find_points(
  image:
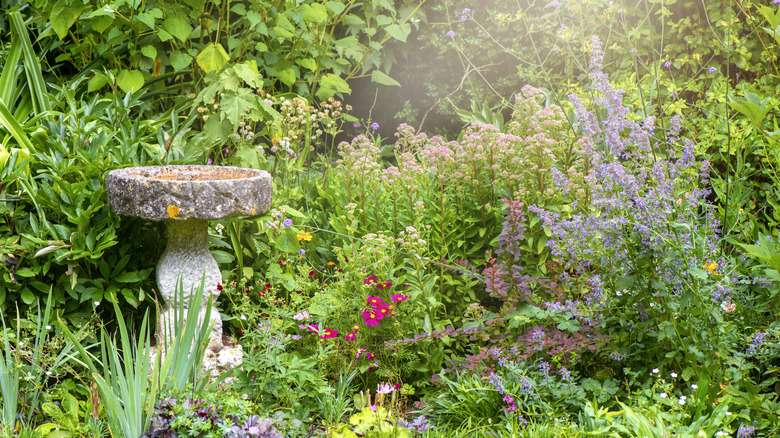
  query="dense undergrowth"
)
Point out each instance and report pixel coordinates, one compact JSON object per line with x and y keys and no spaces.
{"x":587,"y":247}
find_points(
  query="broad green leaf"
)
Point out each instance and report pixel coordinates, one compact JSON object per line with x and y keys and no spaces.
{"x":100,"y":24}
{"x":149,"y":18}
{"x":234,"y":106}
{"x":314,"y":13}
{"x":383,"y":20}
{"x":399,"y":31}
{"x":128,"y":277}
{"x":287,"y":77}
{"x":63,"y":15}
{"x":178,"y":27}
{"x":308,"y":63}
{"x":149,"y":51}
{"x":249,"y":73}
{"x":130,"y":80}
{"x":213,"y":57}
{"x":179,"y":60}
{"x":331,"y":84}
{"x":335,"y":7}
{"x":624,"y":282}
{"x":381,"y":78}
{"x":287,"y":242}
{"x":354,"y":20}
{"x":350,"y":41}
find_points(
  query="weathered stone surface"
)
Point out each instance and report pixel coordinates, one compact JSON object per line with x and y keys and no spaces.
{"x":188,"y":192}
{"x":186,"y":197}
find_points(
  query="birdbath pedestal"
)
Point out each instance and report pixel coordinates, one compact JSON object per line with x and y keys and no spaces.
{"x":186,"y":198}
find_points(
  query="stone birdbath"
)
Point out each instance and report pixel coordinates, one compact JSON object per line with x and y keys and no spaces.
{"x":186,"y":198}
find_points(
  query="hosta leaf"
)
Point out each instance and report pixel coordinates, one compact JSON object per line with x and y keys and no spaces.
{"x":213,"y":57}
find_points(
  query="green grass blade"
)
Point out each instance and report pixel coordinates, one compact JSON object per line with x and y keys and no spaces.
{"x":8,"y":121}
{"x":32,"y":67}
{"x":8,"y":77}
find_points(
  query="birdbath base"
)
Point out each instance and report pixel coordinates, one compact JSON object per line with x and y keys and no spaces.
{"x":186,"y":198}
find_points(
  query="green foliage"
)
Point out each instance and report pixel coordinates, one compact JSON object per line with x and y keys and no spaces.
{"x":129,"y":378}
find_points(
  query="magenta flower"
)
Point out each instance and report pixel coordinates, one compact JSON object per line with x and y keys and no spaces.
{"x":371,"y":317}
{"x":370,"y":356}
{"x":329,"y":334}
{"x":375,"y":301}
{"x":384,"y":388}
{"x":314,"y":328}
{"x":359,"y":353}
{"x":370,"y":280}
{"x":382,"y":310}
{"x":397,"y":298}
{"x":351,"y":336}
{"x":451,"y":34}
{"x":384,"y":285}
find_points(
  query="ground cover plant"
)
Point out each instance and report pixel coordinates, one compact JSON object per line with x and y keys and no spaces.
{"x":575,"y":235}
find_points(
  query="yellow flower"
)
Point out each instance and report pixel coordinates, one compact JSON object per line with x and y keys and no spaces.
{"x":173,"y":211}
{"x":303,"y":235}
{"x":331,"y":263}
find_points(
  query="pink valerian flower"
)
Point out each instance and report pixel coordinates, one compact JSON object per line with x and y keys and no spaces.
{"x":384,"y":285}
{"x":397,"y":298}
{"x":329,"y":334}
{"x":370,"y":280}
{"x":351,"y":336}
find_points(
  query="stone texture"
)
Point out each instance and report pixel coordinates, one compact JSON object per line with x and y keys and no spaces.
{"x":186,"y":197}
{"x":196,"y":192}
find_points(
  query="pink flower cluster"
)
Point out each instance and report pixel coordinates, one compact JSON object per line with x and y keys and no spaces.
{"x":378,"y":309}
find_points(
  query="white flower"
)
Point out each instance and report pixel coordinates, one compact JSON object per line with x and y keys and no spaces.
{"x":674,"y":375}
{"x":48,"y":373}
{"x":663,"y":395}
{"x":655,"y":370}
{"x":243,"y":317}
{"x":109,"y":9}
{"x":728,"y":413}
{"x":48,"y":327}
{"x":97,"y":303}
{"x":681,"y":400}
{"x":21,"y":344}
{"x":694,"y":386}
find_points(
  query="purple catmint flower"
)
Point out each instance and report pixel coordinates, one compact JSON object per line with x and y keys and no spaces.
{"x":667,"y":64}
{"x":713,"y":69}
{"x":748,"y":431}
{"x":375,"y":126}
{"x":451,"y":34}
{"x":287,"y":223}
{"x":555,"y":4}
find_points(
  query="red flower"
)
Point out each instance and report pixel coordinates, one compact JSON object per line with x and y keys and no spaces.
{"x":240,"y":332}
{"x":386,"y":285}
{"x":312,"y":273}
{"x":371,"y":317}
{"x":281,"y":263}
{"x":329,"y":334}
{"x":219,"y":287}
{"x":398,"y":298}
{"x":370,"y":280}
{"x":351,"y":336}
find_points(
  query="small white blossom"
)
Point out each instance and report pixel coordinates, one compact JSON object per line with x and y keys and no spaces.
{"x":682,"y":400}
{"x":663,"y":395}
{"x":655,"y":370}
{"x":97,"y":303}
{"x":48,"y":327}
{"x":694,"y":386}
{"x":674,"y":375}
{"x":243,"y":317}
{"x":109,"y":9}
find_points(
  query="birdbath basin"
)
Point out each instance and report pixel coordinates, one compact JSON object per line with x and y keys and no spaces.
{"x":186,"y":198}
